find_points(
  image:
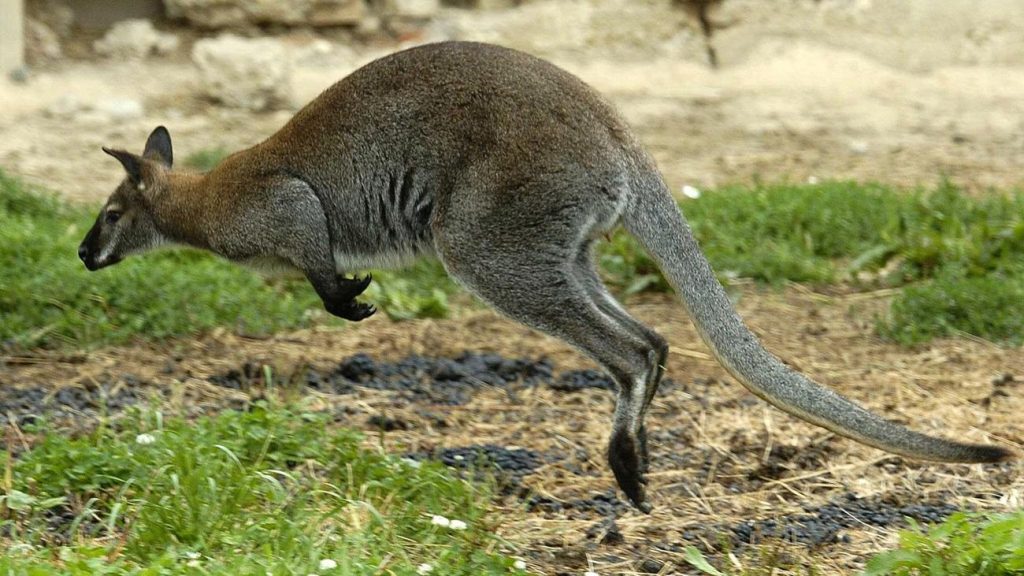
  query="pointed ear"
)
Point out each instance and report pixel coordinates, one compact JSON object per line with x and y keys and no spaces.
{"x":132,"y":163}
{"x":158,"y":147}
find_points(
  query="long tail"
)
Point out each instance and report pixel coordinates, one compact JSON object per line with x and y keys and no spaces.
{"x":655,"y":220}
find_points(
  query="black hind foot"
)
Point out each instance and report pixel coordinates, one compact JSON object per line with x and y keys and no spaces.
{"x":627,"y":464}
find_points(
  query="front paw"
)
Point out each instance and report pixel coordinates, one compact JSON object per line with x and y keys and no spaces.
{"x":350,"y":309}
{"x":348,"y":288}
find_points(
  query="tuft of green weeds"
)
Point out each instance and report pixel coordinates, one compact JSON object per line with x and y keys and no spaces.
{"x":274,"y":490}
{"x":799,"y":233}
{"x":990,"y":306}
{"x":962,"y":545}
{"x":960,"y":258}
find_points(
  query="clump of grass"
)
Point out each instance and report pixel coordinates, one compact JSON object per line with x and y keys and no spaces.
{"x":960,"y":258}
{"x":799,"y":233}
{"x":990,"y":306}
{"x":963,"y":545}
{"x":275,"y":490}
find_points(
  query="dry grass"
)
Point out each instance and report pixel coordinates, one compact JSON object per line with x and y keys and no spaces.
{"x":713,"y":461}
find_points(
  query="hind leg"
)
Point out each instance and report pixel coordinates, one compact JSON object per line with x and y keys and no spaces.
{"x":541,"y":288}
{"x":587,"y":273}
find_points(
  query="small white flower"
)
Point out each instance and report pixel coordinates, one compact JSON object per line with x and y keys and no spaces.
{"x":519,"y":565}
{"x":424,"y":569}
{"x":328,"y":564}
{"x":192,"y":555}
{"x":440,"y":521}
{"x":691,"y":191}
{"x":812,"y":180}
{"x":145,"y":439}
{"x":457,"y":525}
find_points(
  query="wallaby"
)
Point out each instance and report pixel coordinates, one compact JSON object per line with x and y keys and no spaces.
{"x":507,"y":169}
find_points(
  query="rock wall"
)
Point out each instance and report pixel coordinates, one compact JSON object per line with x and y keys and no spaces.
{"x":910,"y":34}
{"x":215,"y":14}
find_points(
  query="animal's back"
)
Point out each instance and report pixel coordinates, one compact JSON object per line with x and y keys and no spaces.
{"x":448,"y":103}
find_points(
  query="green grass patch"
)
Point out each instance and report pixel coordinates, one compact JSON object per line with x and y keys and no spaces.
{"x":963,"y":545}
{"x":990,"y":306}
{"x":275,"y":490}
{"x":960,"y":258}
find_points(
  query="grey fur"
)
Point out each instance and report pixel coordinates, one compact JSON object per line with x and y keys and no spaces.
{"x":507,"y":169}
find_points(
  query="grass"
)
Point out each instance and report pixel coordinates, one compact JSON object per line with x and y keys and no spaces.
{"x":959,"y":258}
{"x":274,"y":490}
{"x":963,"y":545}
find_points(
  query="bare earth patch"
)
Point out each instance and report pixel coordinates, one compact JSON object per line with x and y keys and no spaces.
{"x":728,"y":471}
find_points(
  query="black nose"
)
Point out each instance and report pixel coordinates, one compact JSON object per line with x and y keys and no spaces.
{"x":83,"y":252}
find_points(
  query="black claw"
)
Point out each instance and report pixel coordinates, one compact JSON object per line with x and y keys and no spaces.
{"x":350,"y":288}
{"x":351,"y":310}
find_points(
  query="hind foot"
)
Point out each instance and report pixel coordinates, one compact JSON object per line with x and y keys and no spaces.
{"x":624,"y":456}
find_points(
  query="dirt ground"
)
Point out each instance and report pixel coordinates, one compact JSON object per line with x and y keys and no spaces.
{"x":836,"y":91}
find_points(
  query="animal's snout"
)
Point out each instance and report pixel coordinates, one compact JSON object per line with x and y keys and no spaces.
{"x":83,"y":252}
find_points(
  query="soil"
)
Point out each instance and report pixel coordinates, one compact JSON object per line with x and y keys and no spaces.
{"x":827,"y":90}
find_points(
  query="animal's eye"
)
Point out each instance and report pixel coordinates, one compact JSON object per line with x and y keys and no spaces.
{"x":113,"y":216}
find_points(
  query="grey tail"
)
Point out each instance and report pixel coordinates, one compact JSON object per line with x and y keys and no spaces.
{"x":656,"y":221}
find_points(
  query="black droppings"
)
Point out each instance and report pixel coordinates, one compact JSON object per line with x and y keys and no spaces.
{"x":67,"y":404}
{"x":514,"y":461}
{"x":822,"y":525}
{"x":576,"y":380}
{"x":603,"y":504}
{"x":450,"y":381}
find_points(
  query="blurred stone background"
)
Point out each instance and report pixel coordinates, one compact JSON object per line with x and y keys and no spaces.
{"x":721,"y":90}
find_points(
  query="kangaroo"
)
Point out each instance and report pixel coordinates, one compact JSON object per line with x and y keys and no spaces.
{"x":507,"y":169}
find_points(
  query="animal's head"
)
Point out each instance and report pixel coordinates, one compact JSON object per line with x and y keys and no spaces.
{"x":125,"y":225}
